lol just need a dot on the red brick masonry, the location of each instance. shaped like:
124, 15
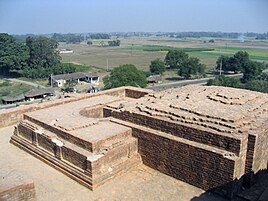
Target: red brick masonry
210, 137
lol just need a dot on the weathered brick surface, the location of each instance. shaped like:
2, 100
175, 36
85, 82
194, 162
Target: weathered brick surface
92, 112
179, 130
74, 157
13, 189
185, 160
210, 137
250, 153
88, 154
14, 115
136, 93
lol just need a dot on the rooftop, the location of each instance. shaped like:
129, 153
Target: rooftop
74, 76
38, 92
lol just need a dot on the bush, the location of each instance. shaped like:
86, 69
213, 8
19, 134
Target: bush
257, 85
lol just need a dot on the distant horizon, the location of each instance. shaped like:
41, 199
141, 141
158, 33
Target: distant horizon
150, 32
151, 16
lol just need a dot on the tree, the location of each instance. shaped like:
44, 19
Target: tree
186, 65
42, 52
257, 85
252, 70
235, 63
13, 55
89, 42
114, 43
125, 75
239, 60
223, 63
191, 67
157, 66
176, 58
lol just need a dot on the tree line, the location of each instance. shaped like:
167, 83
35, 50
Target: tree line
37, 58
99, 36
67, 38
253, 78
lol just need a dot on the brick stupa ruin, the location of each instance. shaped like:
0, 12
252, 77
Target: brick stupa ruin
210, 137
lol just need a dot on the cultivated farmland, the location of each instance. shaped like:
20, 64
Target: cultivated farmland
141, 50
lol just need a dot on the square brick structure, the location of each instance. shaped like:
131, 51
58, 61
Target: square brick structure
210, 137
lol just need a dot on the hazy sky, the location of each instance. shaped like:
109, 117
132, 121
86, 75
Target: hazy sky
76, 16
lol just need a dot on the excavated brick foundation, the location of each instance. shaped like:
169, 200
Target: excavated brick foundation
210, 137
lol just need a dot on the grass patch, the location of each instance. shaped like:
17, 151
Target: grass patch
261, 56
78, 67
159, 48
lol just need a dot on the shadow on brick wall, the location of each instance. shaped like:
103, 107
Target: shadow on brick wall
251, 187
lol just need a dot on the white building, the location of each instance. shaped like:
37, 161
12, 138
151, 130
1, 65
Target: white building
60, 80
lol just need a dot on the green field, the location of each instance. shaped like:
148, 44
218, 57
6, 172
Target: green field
159, 48
140, 51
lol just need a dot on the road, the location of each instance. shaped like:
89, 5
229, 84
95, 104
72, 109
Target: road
178, 84
26, 82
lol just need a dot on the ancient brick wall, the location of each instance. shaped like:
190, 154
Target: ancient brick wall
25, 132
61, 133
14, 115
183, 131
260, 155
136, 92
199, 167
250, 153
45, 143
92, 112
74, 157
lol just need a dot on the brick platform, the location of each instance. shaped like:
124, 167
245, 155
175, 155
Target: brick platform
210, 137
87, 149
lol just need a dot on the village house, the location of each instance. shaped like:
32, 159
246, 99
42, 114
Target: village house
60, 80
38, 93
13, 99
